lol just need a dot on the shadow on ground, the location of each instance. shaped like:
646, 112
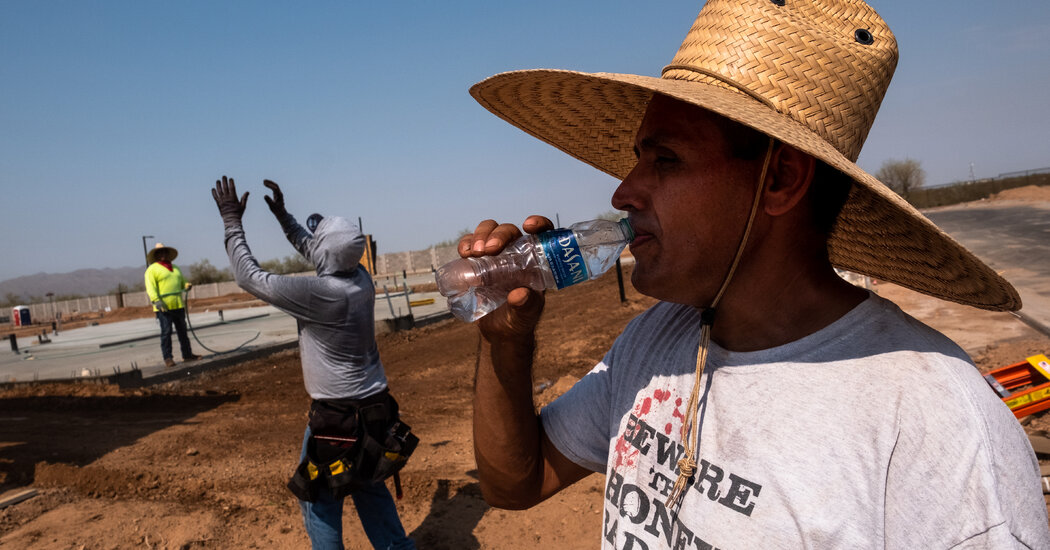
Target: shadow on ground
78, 430
453, 517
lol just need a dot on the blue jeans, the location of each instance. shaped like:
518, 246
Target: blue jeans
323, 518
176, 317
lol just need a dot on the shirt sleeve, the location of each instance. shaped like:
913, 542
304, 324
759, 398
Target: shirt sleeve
577, 423
151, 285
305, 298
296, 234
962, 473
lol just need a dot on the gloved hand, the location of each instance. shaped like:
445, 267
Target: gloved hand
276, 203
159, 304
225, 195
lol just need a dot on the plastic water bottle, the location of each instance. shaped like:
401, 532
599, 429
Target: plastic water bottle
552, 259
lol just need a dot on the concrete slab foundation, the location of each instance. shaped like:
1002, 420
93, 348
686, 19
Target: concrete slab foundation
128, 352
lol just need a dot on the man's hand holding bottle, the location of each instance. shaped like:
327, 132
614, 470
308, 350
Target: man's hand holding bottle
520, 315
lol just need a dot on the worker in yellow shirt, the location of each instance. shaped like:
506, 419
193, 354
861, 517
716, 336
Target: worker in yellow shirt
165, 285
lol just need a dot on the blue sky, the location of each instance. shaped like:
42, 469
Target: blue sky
117, 117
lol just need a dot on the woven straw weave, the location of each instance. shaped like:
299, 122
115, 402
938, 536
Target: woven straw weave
800, 73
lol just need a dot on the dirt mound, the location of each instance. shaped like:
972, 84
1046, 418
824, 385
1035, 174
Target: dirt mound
1026, 193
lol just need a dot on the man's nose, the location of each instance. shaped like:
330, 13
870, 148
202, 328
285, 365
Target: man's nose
628, 195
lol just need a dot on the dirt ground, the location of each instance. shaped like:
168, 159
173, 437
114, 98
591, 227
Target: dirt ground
202, 463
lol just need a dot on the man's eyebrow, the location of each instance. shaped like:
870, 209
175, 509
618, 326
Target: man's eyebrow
655, 140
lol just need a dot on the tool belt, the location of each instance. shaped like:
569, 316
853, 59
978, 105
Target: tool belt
354, 443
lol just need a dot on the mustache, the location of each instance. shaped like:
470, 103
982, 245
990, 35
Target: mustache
639, 225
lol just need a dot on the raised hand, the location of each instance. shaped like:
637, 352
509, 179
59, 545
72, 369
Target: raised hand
225, 195
276, 203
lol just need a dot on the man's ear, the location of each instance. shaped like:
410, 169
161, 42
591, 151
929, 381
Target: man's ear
789, 177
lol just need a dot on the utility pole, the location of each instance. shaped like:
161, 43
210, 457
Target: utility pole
51, 298
145, 253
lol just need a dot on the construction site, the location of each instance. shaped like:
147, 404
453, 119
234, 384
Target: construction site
101, 446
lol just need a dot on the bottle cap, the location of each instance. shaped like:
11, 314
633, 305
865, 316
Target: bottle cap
627, 229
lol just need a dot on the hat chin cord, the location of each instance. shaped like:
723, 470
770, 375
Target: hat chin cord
690, 426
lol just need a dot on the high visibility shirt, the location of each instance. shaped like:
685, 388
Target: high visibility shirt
165, 285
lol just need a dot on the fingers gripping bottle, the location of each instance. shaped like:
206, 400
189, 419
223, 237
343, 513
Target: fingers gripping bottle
553, 259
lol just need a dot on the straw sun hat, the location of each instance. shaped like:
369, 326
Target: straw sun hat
151, 256
810, 73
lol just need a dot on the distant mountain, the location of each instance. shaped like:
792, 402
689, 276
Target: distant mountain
85, 282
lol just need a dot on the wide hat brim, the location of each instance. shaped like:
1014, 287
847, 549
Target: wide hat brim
151, 255
594, 117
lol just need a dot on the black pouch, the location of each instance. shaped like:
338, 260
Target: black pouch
305, 483
355, 443
386, 443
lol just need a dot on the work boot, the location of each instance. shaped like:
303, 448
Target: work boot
169, 362
191, 357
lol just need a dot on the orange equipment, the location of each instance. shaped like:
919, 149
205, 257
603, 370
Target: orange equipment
1032, 374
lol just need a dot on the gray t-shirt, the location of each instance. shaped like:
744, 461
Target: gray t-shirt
875, 432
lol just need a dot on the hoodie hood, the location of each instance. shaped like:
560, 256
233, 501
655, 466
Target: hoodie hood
337, 246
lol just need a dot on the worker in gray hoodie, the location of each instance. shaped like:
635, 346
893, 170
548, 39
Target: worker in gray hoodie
352, 412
